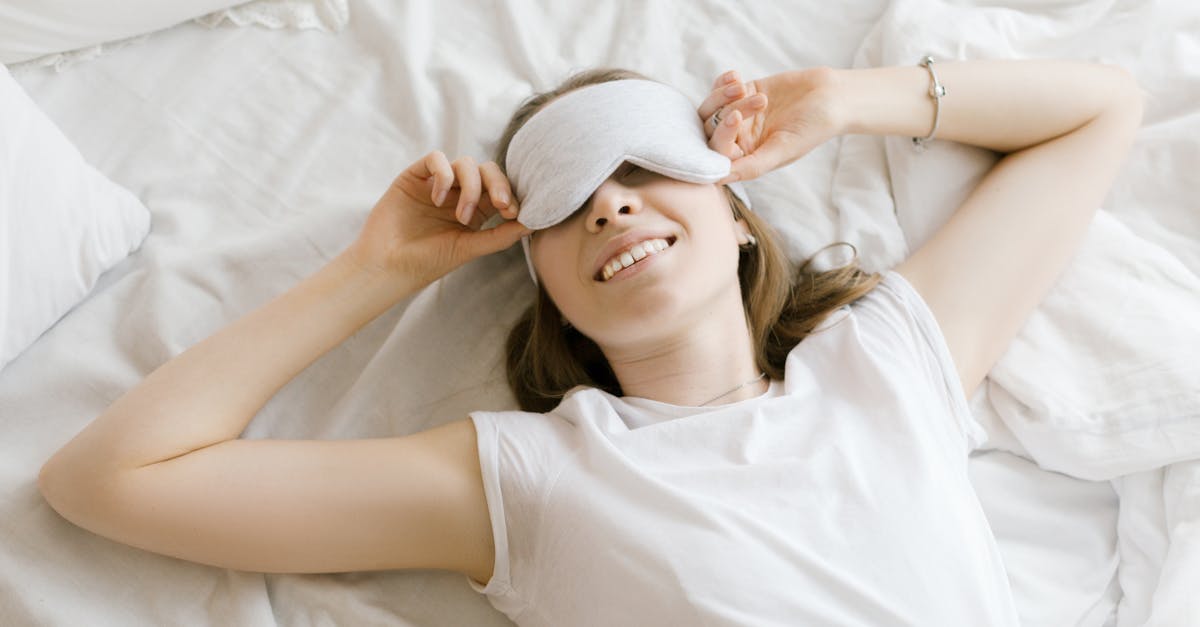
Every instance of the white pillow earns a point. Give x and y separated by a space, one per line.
33 28
62 223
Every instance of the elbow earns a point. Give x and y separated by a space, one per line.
71 493
52 485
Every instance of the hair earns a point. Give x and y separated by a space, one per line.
547 357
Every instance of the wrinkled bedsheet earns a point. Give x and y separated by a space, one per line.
259 153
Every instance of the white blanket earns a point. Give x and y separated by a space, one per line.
1103 380
259 153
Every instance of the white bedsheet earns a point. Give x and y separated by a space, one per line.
259 153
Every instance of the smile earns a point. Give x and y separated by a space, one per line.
631 256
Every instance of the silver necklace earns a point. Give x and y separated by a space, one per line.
760 376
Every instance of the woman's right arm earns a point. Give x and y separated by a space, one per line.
164 469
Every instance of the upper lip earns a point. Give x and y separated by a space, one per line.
623 242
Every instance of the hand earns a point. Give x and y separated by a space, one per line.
770 122
412 232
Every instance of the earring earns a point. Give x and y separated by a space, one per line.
750 242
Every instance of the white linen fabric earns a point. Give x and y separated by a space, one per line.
259 153
62 222
1101 382
1122 404
32 28
840 496
326 15
62 33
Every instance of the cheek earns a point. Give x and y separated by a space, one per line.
554 258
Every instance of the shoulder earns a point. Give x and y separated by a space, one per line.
890 331
891 312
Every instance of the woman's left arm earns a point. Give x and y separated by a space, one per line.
1064 128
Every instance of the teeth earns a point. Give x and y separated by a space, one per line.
631 256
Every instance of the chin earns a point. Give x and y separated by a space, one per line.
654 312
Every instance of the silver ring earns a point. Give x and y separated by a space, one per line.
716 118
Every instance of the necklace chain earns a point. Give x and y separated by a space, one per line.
760 376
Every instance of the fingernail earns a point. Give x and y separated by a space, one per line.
501 199
730 75
467 212
440 197
734 119
733 89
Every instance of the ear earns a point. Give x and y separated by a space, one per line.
744 237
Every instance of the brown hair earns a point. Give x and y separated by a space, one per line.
547 357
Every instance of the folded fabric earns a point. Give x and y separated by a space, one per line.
65 32
325 15
33 28
1102 379
62 223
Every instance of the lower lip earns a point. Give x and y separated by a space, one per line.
638 267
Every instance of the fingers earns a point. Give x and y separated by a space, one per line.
724 138
433 170
748 107
493 240
480 190
771 154
466 173
726 89
499 195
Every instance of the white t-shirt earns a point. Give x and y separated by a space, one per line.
839 497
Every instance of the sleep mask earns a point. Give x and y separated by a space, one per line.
571 146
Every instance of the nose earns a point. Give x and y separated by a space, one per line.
610 202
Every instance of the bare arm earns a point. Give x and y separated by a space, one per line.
1000 105
1065 128
163 468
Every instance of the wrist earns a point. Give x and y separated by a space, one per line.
829 86
884 101
389 286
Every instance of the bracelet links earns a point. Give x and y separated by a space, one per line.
936 91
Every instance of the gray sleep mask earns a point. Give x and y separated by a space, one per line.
572 145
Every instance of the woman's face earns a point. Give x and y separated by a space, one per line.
584 262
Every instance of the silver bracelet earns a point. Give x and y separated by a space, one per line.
936 91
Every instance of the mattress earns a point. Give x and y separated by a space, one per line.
259 153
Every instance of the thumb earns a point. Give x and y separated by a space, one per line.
773 153
495 239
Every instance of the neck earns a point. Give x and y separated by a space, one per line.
711 355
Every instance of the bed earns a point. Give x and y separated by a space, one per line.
258 152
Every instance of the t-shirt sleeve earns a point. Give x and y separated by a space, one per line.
520 456
896 320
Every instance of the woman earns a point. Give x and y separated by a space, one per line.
719 469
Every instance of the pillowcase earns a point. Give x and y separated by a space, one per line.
62 223
33 28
